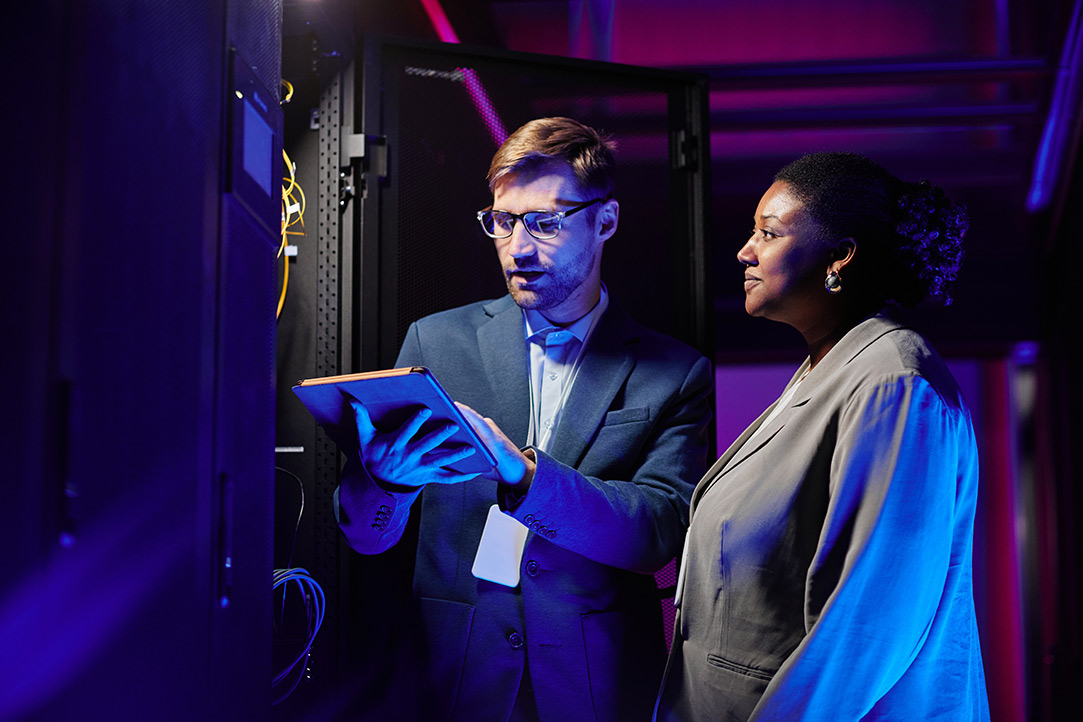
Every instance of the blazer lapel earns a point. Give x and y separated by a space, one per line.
848 348
740 450
502 344
607 361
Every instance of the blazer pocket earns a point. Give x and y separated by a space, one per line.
627 416
722 663
739 686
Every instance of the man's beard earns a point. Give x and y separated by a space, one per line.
560 283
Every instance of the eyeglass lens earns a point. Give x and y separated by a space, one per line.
540 224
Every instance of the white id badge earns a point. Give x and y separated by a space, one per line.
501 549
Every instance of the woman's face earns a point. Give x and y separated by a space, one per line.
786 262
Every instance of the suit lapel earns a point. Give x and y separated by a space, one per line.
502 344
607 361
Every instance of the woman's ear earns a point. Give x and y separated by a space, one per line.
605 223
843 255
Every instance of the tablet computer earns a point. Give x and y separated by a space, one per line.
391 396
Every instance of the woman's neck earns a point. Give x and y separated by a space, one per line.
823 336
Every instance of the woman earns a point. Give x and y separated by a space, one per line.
827 571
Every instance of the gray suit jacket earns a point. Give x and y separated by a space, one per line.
828 571
607 507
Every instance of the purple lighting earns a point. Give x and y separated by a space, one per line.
488 113
439 21
75 611
1063 111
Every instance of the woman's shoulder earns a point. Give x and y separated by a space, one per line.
896 353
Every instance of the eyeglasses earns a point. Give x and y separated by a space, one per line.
542 225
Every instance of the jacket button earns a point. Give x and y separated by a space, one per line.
515 640
532 568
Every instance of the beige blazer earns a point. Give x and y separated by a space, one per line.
828 565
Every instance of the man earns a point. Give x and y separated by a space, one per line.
598 425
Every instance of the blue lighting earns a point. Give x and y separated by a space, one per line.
258 148
1061 119
1025 353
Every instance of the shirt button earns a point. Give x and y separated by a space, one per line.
552 377
515 640
532 568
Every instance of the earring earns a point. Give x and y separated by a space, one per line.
833 283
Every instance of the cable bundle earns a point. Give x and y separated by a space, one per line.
314 609
293 211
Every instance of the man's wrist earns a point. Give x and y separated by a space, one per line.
389 487
522 486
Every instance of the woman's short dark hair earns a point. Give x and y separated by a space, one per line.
587 151
910 234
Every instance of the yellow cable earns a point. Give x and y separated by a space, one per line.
293 174
288 218
286 266
282 250
291 201
285 283
301 213
289 92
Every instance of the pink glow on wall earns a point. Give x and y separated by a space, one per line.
481 99
1002 641
439 21
697 32
694 32
485 106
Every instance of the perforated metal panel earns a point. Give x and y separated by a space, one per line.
255 29
328 361
444 111
443 258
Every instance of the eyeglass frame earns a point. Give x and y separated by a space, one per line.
521 218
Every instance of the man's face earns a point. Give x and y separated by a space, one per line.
558 276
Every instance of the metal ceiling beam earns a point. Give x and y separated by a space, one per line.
983 115
783 75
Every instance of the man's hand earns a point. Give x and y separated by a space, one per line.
513 466
398 458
